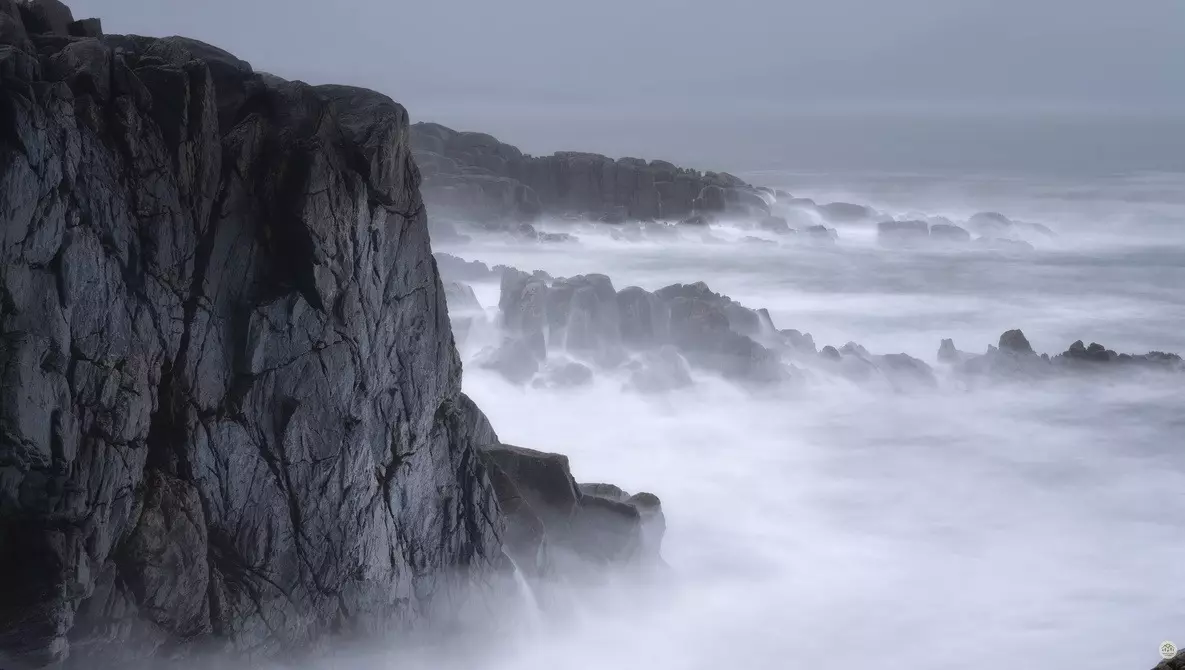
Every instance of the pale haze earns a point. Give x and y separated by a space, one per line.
1043 85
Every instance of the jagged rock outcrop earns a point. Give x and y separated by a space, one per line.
230 410
476 176
586 317
559 526
1014 357
1175 663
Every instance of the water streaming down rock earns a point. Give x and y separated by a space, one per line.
526 592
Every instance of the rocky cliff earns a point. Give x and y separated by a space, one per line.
477 176
230 404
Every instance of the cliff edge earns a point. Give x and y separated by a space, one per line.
230 404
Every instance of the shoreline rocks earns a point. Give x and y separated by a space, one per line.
475 176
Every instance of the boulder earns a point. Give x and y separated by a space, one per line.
1015 342
949 233
822 234
49 17
645 319
711 200
86 28
659 371
845 212
230 399
543 480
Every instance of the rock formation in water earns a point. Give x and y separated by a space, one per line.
586 317
1015 357
475 175
230 405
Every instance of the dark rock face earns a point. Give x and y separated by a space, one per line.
476 176
822 234
1175 663
584 316
1015 358
1014 341
230 407
549 512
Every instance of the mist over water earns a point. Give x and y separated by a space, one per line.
835 525
831 524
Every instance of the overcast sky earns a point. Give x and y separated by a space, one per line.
614 74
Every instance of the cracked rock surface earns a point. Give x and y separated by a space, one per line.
230 407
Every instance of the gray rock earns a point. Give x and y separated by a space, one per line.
949 233
659 371
86 28
511 185
46 17
845 212
645 319
822 234
711 200
230 400
1014 341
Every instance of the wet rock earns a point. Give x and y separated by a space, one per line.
543 480
86 28
645 319
659 371
949 233
711 200
845 212
230 405
49 17
1014 341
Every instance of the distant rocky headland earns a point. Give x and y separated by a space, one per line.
473 180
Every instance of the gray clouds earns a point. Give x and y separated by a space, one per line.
633 65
